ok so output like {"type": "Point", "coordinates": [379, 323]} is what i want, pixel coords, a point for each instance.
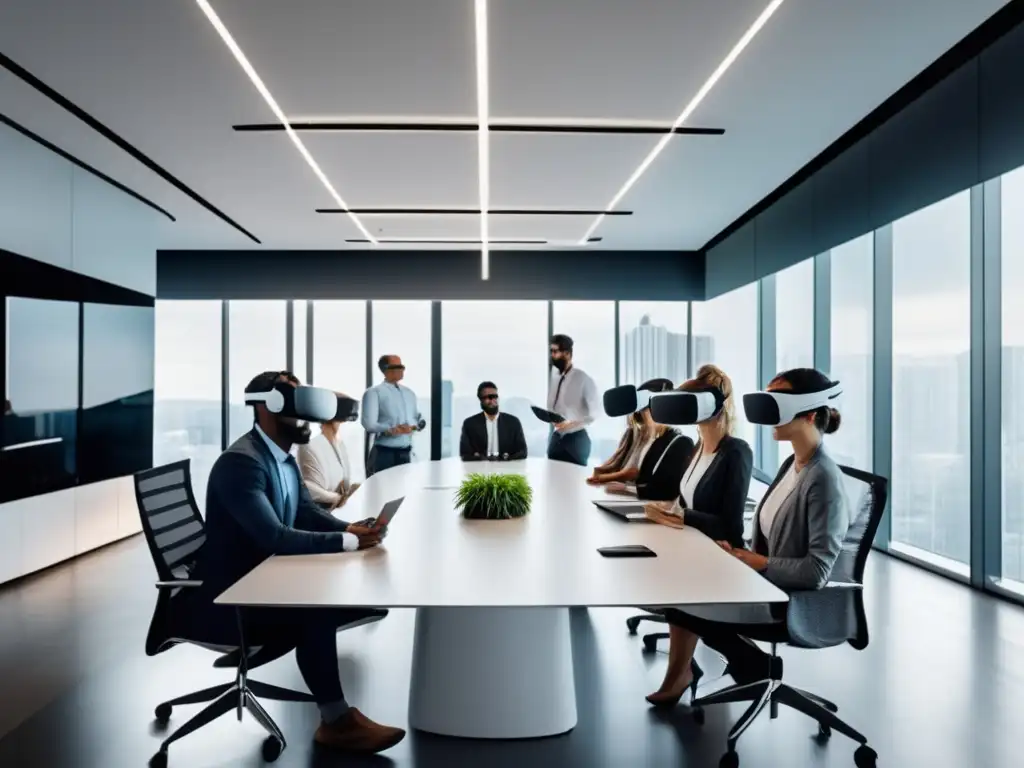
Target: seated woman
{"type": "Point", "coordinates": [661, 464]}
{"type": "Point", "coordinates": [640, 435]}
{"type": "Point", "coordinates": [713, 488]}
{"type": "Point", "coordinates": [798, 533]}
{"type": "Point", "coordinates": [325, 467]}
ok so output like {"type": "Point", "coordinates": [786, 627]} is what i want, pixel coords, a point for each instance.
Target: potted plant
{"type": "Point", "coordinates": [494, 497]}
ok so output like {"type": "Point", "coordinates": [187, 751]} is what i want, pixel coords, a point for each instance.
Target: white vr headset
{"type": "Point", "coordinates": [774, 409]}
{"type": "Point", "coordinates": [680, 408]}
{"type": "Point", "coordinates": [627, 398]}
{"type": "Point", "coordinates": [314, 404]}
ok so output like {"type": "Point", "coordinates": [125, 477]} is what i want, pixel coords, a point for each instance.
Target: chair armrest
{"type": "Point", "coordinates": [178, 584]}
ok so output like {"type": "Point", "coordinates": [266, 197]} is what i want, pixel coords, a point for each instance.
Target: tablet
{"type": "Point", "coordinates": [387, 512]}
{"type": "Point", "coordinates": [549, 417]}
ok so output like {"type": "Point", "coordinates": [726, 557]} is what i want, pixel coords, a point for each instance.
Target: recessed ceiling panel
{"type": "Point", "coordinates": [640, 59]}
{"type": "Point", "coordinates": [397, 170]}
{"type": "Point", "coordinates": [368, 57]}
{"type": "Point", "coordinates": [563, 171]}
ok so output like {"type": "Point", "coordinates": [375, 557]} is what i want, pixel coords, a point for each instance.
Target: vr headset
{"type": "Point", "coordinates": [627, 399]}
{"type": "Point", "coordinates": [774, 409]}
{"type": "Point", "coordinates": [680, 408]}
{"type": "Point", "coordinates": [314, 404]}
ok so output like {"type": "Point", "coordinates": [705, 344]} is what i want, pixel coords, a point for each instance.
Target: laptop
{"type": "Point", "coordinates": [631, 513]}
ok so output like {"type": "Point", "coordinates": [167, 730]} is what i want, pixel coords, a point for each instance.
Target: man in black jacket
{"type": "Point", "coordinates": [490, 434]}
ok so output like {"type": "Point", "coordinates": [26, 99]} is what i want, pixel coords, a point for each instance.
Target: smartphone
{"type": "Point", "coordinates": [627, 550]}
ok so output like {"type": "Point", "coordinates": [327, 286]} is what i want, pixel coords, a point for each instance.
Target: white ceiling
{"type": "Point", "coordinates": [157, 73]}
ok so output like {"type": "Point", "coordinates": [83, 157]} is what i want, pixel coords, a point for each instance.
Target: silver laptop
{"type": "Point", "coordinates": [631, 513]}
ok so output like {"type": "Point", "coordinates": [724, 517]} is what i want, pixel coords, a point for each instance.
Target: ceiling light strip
{"type": "Point", "coordinates": [249, 70]}
{"type": "Point", "coordinates": [483, 135]}
{"type": "Point", "coordinates": [695, 102]}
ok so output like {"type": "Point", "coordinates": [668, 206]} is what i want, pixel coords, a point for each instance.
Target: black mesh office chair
{"type": "Point", "coordinates": [175, 531]}
{"type": "Point", "coordinates": [811, 611]}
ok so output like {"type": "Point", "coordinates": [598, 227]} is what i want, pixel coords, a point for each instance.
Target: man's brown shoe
{"type": "Point", "coordinates": [355, 732]}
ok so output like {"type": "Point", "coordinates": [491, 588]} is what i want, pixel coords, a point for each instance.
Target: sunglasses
{"type": "Point", "coordinates": [395, 368]}
{"type": "Point", "coordinates": [488, 397]}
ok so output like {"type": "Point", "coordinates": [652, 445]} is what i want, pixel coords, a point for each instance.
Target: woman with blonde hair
{"type": "Point", "coordinates": [712, 495]}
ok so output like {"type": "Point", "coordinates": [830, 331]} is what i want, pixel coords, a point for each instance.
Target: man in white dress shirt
{"type": "Point", "coordinates": [572, 394]}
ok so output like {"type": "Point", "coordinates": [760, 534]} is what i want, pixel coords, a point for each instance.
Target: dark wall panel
{"type": "Point", "coordinates": [785, 232]}
{"type": "Point", "coordinates": [927, 152]}
{"type": "Point", "coordinates": [1001, 84]}
{"type": "Point", "coordinates": [373, 274]}
{"type": "Point", "coordinates": [842, 209]}
{"type": "Point", "coordinates": [731, 263]}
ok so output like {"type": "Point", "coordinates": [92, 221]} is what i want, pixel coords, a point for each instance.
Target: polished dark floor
{"type": "Point", "coordinates": [941, 684]}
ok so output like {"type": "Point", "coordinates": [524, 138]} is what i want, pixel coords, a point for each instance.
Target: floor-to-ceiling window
{"type": "Point", "coordinates": [504, 342]}
{"type": "Point", "coordinates": [403, 328]}
{"type": "Point", "coordinates": [852, 364]}
{"type": "Point", "coordinates": [339, 363]}
{"type": "Point", "coordinates": [187, 374]}
{"type": "Point", "coordinates": [794, 324]}
{"type": "Point", "coordinates": [299, 361]}
{"type": "Point", "coordinates": [725, 333]}
{"type": "Point", "coordinates": [257, 342]}
{"type": "Point", "coordinates": [1012, 251]}
{"type": "Point", "coordinates": [591, 324]}
{"type": "Point", "coordinates": [931, 338]}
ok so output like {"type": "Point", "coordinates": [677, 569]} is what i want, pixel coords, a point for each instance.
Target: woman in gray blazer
{"type": "Point", "coordinates": [798, 533]}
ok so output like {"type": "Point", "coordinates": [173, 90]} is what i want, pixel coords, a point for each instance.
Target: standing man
{"type": "Point", "coordinates": [390, 416]}
{"type": "Point", "coordinates": [485, 437]}
{"type": "Point", "coordinates": [573, 395]}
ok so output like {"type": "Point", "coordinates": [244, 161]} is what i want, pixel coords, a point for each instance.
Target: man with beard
{"type": "Point", "coordinates": [257, 506]}
{"type": "Point", "coordinates": [572, 394]}
{"type": "Point", "coordinates": [490, 435]}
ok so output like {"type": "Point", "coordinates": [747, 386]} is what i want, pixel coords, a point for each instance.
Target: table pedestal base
{"type": "Point", "coordinates": [492, 673]}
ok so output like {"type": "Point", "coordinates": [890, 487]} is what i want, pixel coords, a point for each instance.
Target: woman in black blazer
{"type": "Point", "coordinates": [712, 494]}
{"type": "Point", "coordinates": [659, 454]}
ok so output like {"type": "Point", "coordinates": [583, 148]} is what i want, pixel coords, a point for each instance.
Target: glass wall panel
{"type": "Point", "coordinates": [1013, 376]}
{"type": "Point", "coordinates": [794, 325]}
{"type": "Point", "coordinates": [187, 408]}
{"type": "Point", "coordinates": [504, 342]}
{"type": "Point", "coordinates": [852, 266]}
{"type": "Point", "coordinates": [339, 363]}
{"type": "Point", "coordinates": [931, 436]}
{"type": "Point", "coordinates": [725, 333]}
{"type": "Point", "coordinates": [257, 342]}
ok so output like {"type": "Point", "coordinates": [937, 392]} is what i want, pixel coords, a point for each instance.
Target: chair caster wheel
{"type": "Point", "coordinates": [729, 760]}
{"type": "Point", "coordinates": [163, 713]}
{"type": "Point", "coordinates": [632, 624]}
{"type": "Point", "coordinates": [272, 748]}
{"type": "Point", "coordinates": [698, 715]}
{"type": "Point", "coordinates": [865, 757]}
{"type": "Point", "coordinates": [159, 760]}
{"type": "Point", "coordinates": [824, 732]}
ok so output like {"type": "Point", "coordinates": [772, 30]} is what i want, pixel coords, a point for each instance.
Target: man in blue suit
{"type": "Point", "coordinates": [257, 506]}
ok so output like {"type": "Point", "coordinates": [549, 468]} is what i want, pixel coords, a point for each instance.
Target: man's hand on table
{"type": "Point", "coordinates": [367, 535]}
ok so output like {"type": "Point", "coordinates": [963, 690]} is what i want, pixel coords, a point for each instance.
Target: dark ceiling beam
{"type": "Point", "coordinates": [471, 126]}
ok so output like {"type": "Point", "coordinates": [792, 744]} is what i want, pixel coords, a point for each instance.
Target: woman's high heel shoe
{"type": "Point", "coordinates": [667, 701]}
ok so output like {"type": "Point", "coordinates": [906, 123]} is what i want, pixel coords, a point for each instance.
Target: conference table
{"type": "Point", "coordinates": [492, 654]}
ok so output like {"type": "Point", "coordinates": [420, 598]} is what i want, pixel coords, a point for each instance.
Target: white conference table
{"type": "Point", "coordinates": [492, 654]}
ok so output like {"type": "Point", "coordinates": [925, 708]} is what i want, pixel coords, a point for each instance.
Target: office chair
{"type": "Point", "coordinates": [815, 621]}
{"type": "Point", "coordinates": [633, 622]}
{"type": "Point", "coordinates": [175, 531]}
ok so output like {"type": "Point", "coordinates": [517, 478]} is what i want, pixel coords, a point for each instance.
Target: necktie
{"type": "Point", "coordinates": [558, 391]}
{"type": "Point", "coordinates": [289, 516]}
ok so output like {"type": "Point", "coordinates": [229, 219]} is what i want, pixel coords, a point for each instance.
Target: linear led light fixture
{"type": "Point", "coordinates": [705, 89]}
{"type": "Point", "coordinates": [249, 70]}
{"type": "Point", "coordinates": [483, 135]}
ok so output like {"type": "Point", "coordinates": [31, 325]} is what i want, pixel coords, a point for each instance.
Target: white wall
{"type": "Point", "coordinates": [55, 212]}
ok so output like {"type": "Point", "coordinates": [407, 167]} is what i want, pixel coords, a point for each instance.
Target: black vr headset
{"type": "Point", "coordinates": [314, 404]}
{"type": "Point", "coordinates": [627, 399]}
{"type": "Point", "coordinates": [774, 409]}
{"type": "Point", "coordinates": [680, 408]}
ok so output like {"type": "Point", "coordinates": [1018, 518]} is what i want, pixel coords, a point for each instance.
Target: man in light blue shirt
{"type": "Point", "coordinates": [390, 416]}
